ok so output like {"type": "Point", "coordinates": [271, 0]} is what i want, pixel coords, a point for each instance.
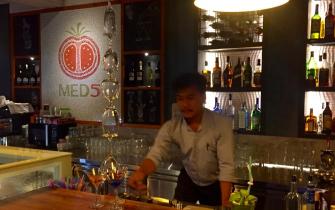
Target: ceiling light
{"type": "Point", "coordinates": [238, 5]}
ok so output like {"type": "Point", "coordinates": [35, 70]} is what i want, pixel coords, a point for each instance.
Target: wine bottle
{"type": "Point", "coordinates": [311, 71]}
{"type": "Point", "coordinates": [247, 74]}
{"type": "Point", "coordinates": [256, 117]}
{"type": "Point", "coordinates": [329, 24]}
{"type": "Point", "coordinates": [327, 120]}
{"type": "Point", "coordinates": [237, 81]}
{"type": "Point", "coordinates": [324, 72]}
{"type": "Point", "coordinates": [258, 74]}
{"type": "Point", "coordinates": [316, 24]}
{"type": "Point", "coordinates": [216, 74]}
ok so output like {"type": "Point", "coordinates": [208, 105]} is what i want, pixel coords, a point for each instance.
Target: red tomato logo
{"type": "Point", "coordinates": [78, 55]}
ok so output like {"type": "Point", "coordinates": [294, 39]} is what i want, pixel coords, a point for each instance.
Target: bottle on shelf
{"type": "Point", "coordinates": [329, 23]}
{"type": "Point", "coordinates": [311, 71]}
{"type": "Point", "coordinates": [131, 75]}
{"type": "Point", "coordinates": [32, 77]}
{"type": "Point", "coordinates": [207, 18]}
{"type": "Point", "coordinates": [25, 78]}
{"type": "Point", "coordinates": [216, 74]}
{"type": "Point", "coordinates": [316, 24]}
{"type": "Point", "coordinates": [324, 72]}
{"type": "Point", "coordinates": [327, 120]}
{"type": "Point", "coordinates": [139, 74]}
{"type": "Point", "coordinates": [207, 74]}
{"type": "Point", "coordinates": [311, 125]}
{"type": "Point", "coordinates": [227, 76]}
{"type": "Point", "coordinates": [37, 73]}
{"type": "Point", "coordinates": [230, 111]}
{"type": "Point", "coordinates": [309, 195]}
{"type": "Point", "coordinates": [217, 26]}
{"type": "Point", "coordinates": [256, 117]}
{"type": "Point", "coordinates": [237, 80]}
{"type": "Point", "coordinates": [243, 117]}
{"type": "Point", "coordinates": [158, 75]}
{"type": "Point", "coordinates": [19, 75]}
{"type": "Point", "coordinates": [320, 121]}
{"type": "Point", "coordinates": [148, 75]}
{"type": "Point", "coordinates": [258, 74]}
{"type": "Point", "coordinates": [317, 71]}
{"type": "Point", "coordinates": [247, 74]}
{"type": "Point", "coordinates": [217, 108]}
{"type": "Point", "coordinates": [293, 199]}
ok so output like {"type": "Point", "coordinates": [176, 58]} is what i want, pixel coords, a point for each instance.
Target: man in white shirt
{"type": "Point", "coordinates": [205, 139]}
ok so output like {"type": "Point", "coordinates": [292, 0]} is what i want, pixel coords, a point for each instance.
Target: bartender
{"type": "Point", "coordinates": [205, 139]}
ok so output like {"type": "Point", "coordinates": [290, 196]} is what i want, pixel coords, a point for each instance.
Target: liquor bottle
{"type": "Point", "coordinates": [311, 71]}
{"type": "Point", "coordinates": [217, 26]}
{"type": "Point", "coordinates": [327, 120]}
{"type": "Point", "coordinates": [258, 74]}
{"type": "Point", "coordinates": [293, 199]}
{"type": "Point", "coordinates": [243, 117]}
{"type": "Point", "coordinates": [19, 75]}
{"type": "Point", "coordinates": [316, 24]}
{"type": "Point", "coordinates": [131, 75]}
{"type": "Point", "coordinates": [158, 75]}
{"type": "Point", "coordinates": [311, 125]}
{"type": "Point", "coordinates": [228, 74]}
{"type": "Point", "coordinates": [37, 73]}
{"type": "Point", "coordinates": [139, 74]}
{"type": "Point", "coordinates": [256, 117]}
{"type": "Point", "coordinates": [237, 81]}
{"type": "Point", "coordinates": [317, 70]}
{"type": "Point", "coordinates": [32, 77]}
{"type": "Point", "coordinates": [320, 122]}
{"type": "Point", "coordinates": [207, 74]}
{"type": "Point", "coordinates": [247, 74]}
{"type": "Point", "coordinates": [25, 78]}
{"type": "Point", "coordinates": [309, 195]}
{"type": "Point", "coordinates": [324, 72]}
{"type": "Point", "coordinates": [217, 106]}
{"type": "Point", "coordinates": [207, 18]}
{"type": "Point", "coordinates": [230, 111]}
{"type": "Point", "coordinates": [148, 75]}
{"type": "Point", "coordinates": [216, 74]}
{"type": "Point", "coordinates": [329, 23]}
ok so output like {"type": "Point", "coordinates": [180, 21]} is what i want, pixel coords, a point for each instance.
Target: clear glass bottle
{"type": "Point", "coordinates": [243, 117]}
{"type": "Point", "coordinates": [293, 199]}
{"type": "Point", "coordinates": [230, 111]}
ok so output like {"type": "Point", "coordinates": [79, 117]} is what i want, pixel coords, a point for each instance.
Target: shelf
{"type": "Point", "coordinates": [320, 42]}
{"type": "Point", "coordinates": [141, 88]}
{"type": "Point", "coordinates": [231, 47]}
{"type": "Point", "coordinates": [252, 89]}
{"type": "Point", "coordinates": [317, 136]}
{"type": "Point", "coordinates": [142, 52]}
{"type": "Point", "coordinates": [27, 87]}
{"type": "Point", "coordinates": [247, 132]}
{"type": "Point", "coordinates": [323, 89]}
{"type": "Point", "coordinates": [27, 56]}
{"type": "Point", "coordinates": [137, 125]}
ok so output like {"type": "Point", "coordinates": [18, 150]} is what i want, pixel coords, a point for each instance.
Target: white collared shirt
{"type": "Point", "coordinates": [208, 153]}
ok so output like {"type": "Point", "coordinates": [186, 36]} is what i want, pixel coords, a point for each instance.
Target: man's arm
{"type": "Point", "coordinates": [225, 192]}
{"type": "Point", "coordinates": [136, 180]}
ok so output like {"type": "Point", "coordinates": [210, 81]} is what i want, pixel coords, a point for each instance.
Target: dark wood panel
{"type": "Point", "coordinates": [4, 51]}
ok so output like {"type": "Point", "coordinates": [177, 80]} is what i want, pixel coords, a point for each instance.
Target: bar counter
{"type": "Point", "coordinates": [55, 199]}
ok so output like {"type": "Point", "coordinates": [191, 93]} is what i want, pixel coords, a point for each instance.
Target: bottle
{"type": "Point", "coordinates": [216, 74]}
{"type": "Point", "coordinates": [324, 72]}
{"type": "Point", "coordinates": [311, 125]}
{"type": "Point", "coordinates": [293, 199]}
{"type": "Point", "coordinates": [243, 117]}
{"type": "Point", "coordinates": [237, 80]}
{"type": "Point", "coordinates": [309, 195]}
{"type": "Point", "coordinates": [258, 74]}
{"type": "Point", "coordinates": [32, 78]}
{"type": "Point", "coordinates": [316, 24]}
{"type": "Point", "coordinates": [217, 26]}
{"type": "Point", "coordinates": [19, 75]}
{"type": "Point", "coordinates": [207, 74]}
{"type": "Point", "coordinates": [317, 70]}
{"type": "Point", "coordinates": [25, 78]}
{"type": "Point", "coordinates": [131, 75]}
{"type": "Point", "coordinates": [320, 122]}
{"type": "Point", "coordinates": [247, 74]}
{"type": "Point", "coordinates": [310, 72]}
{"type": "Point", "coordinates": [139, 74]}
{"type": "Point", "coordinates": [256, 117]}
{"type": "Point", "coordinates": [157, 75]}
{"type": "Point", "coordinates": [207, 18]}
{"type": "Point", "coordinates": [148, 75]}
{"type": "Point", "coordinates": [217, 106]}
{"type": "Point", "coordinates": [329, 23]}
{"type": "Point", "coordinates": [230, 111]}
{"type": "Point", "coordinates": [327, 120]}
{"type": "Point", "coordinates": [209, 35]}
{"type": "Point", "coordinates": [228, 74]}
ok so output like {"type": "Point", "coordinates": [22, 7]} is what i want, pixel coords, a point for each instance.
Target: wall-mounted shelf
{"type": "Point", "coordinates": [322, 89]}
{"type": "Point", "coordinates": [251, 89]}
{"type": "Point", "coordinates": [141, 88]}
{"type": "Point", "coordinates": [321, 42]}
{"type": "Point", "coordinates": [142, 52]}
{"type": "Point", "coordinates": [231, 48]}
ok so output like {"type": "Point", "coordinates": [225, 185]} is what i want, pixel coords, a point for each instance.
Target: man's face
{"type": "Point", "coordinates": [190, 101]}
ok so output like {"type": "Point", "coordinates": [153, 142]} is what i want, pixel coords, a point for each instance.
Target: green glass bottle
{"type": "Point", "coordinates": [256, 117]}
{"type": "Point", "coordinates": [316, 24]}
{"type": "Point", "coordinates": [311, 72]}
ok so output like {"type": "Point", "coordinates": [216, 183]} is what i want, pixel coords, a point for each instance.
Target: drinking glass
{"type": "Point", "coordinates": [96, 178]}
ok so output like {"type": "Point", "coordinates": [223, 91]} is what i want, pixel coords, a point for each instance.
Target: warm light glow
{"type": "Point", "coordinates": [237, 5]}
{"type": "Point", "coordinates": [146, 54]}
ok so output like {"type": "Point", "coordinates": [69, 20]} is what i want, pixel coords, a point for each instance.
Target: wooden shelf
{"type": "Point", "coordinates": [323, 89]}
{"type": "Point", "coordinates": [317, 136]}
{"type": "Point", "coordinates": [231, 47]}
{"type": "Point", "coordinates": [321, 42]}
{"type": "Point", "coordinates": [142, 52]}
{"type": "Point", "coordinates": [252, 89]}
{"type": "Point", "coordinates": [141, 88]}
{"type": "Point", "coordinates": [27, 87]}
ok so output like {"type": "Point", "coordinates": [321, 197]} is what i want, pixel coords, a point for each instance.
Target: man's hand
{"type": "Point", "coordinates": [135, 181]}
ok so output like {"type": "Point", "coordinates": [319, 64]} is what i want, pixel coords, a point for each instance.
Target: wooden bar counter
{"type": "Point", "coordinates": [61, 199]}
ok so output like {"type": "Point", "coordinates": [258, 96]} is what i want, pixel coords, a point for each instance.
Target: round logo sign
{"type": "Point", "coordinates": [79, 57]}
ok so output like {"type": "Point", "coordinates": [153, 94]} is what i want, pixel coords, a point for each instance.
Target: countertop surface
{"type": "Point", "coordinates": [55, 199]}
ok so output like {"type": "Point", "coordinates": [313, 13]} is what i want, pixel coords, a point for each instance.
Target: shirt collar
{"type": "Point", "coordinates": [203, 124]}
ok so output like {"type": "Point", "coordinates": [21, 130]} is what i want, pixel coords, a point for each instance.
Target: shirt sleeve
{"type": "Point", "coordinates": [161, 147]}
{"type": "Point", "coordinates": [225, 152]}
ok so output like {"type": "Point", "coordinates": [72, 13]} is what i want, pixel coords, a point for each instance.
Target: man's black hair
{"type": "Point", "coordinates": [187, 80]}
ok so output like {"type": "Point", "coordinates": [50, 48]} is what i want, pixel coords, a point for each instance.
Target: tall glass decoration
{"type": "Point", "coordinates": [110, 85]}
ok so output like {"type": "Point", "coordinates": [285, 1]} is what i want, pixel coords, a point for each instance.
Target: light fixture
{"type": "Point", "coordinates": [238, 5]}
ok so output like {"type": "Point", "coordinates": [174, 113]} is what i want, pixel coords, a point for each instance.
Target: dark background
{"type": "Point", "coordinates": [4, 51]}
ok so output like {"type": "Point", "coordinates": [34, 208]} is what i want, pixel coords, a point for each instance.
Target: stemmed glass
{"type": "Point", "coordinates": [96, 178]}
